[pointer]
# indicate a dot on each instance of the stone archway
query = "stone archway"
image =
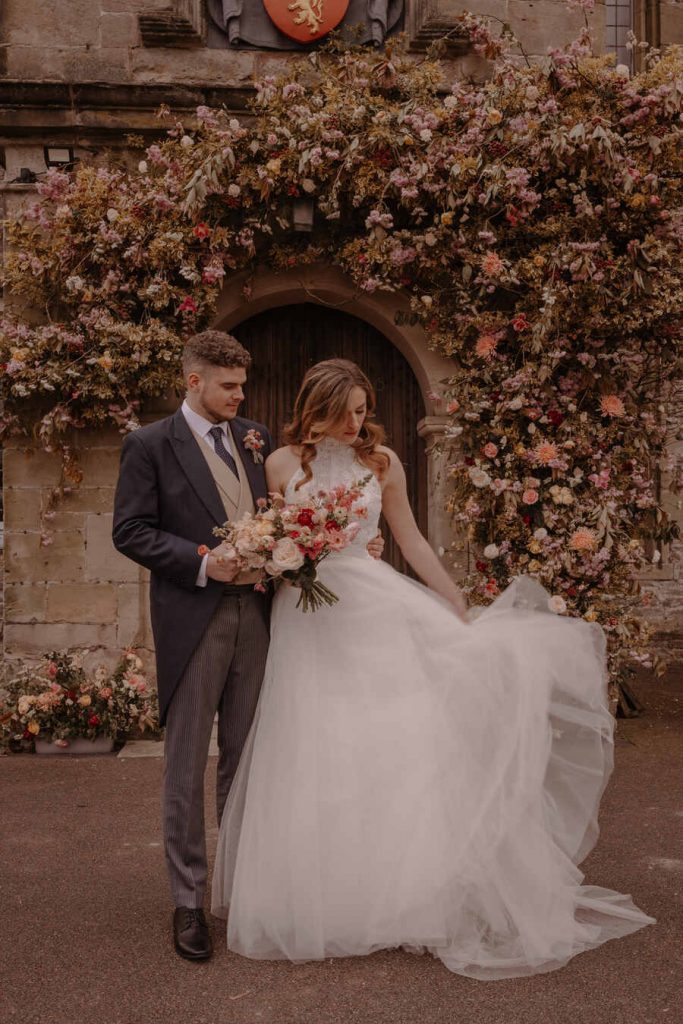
(245, 295)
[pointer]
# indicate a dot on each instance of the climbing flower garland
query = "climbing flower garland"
(534, 220)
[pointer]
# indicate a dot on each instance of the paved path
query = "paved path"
(85, 927)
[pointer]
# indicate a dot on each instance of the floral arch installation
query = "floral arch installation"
(531, 225)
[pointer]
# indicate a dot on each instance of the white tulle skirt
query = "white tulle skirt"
(413, 781)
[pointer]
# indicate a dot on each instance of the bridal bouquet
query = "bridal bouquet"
(289, 541)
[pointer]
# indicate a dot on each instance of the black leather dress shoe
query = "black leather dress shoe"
(191, 934)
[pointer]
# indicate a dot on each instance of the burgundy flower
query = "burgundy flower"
(481, 566)
(305, 517)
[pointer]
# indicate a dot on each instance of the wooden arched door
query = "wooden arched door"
(286, 341)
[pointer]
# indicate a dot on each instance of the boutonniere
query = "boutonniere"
(253, 442)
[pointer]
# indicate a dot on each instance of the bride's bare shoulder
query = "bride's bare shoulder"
(281, 466)
(394, 471)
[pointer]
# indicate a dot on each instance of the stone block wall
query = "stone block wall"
(76, 591)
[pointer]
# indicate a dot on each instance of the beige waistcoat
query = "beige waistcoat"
(235, 494)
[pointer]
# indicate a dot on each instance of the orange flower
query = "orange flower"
(612, 405)
(202, 550)
(545, 452)
(486, 346)
(583, 539)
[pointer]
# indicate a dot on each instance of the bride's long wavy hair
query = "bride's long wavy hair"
(320, 407)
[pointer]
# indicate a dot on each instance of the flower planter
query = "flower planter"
(77, 745)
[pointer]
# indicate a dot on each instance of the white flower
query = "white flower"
(515, 404)
(187, 142)
(74, 283)
(531, 428)
(622, 71)
(491, 551)
(450, 103)
(656, 557)
(286, 556)
(234, 190)
(478, 477)
(425, 135)
(308, 185)
(541, 533)
(142, 167)
(557, 604)
(233, 124)
(112, 214)
(426, 300)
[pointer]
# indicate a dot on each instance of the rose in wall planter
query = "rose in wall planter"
(77, 745)
(60, 709)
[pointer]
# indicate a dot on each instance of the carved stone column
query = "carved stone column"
(440, 533)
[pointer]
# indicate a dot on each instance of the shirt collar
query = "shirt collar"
(199, 424)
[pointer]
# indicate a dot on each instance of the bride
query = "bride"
(412, 779)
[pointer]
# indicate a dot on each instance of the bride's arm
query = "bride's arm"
(414, 548)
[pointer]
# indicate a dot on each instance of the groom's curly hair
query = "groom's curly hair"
(214, 348)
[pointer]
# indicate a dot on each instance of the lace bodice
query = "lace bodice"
(335, 464)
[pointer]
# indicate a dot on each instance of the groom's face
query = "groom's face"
(216, 392)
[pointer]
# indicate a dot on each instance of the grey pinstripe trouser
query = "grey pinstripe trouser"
(224, 674)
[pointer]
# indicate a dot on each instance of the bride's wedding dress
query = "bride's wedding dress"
(413, 781)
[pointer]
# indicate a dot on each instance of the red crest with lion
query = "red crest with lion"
(306, 20)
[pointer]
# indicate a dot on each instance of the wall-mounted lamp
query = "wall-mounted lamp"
(58, 156)
(302, 214)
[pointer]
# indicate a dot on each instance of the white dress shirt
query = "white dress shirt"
(202, 428)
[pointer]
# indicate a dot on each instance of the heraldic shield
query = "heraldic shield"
(306, 20)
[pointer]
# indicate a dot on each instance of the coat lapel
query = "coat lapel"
(195, 467)
(254, 470)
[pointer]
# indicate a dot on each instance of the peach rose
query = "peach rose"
(33, 728)
(105, 693)
(85, 701)
(530, 497)
(452, 406)
(286, 556)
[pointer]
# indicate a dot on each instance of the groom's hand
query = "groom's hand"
(222, 564)
(376, 546)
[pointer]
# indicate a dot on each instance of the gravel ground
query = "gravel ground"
(86, 939)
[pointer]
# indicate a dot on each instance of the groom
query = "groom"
(179, 478)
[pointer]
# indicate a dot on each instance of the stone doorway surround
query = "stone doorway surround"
(244, 295)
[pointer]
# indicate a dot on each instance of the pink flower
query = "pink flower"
(520, 322)
(52, 670)
(105, 693)
(453, 406)
(530, 496)
(490, 450)
(492, 264)
(188, 305)
(545, 452)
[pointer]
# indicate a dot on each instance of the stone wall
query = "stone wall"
(77, 591)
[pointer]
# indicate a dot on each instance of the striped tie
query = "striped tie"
(217, 435)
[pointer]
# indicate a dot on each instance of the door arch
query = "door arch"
(285, 341)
